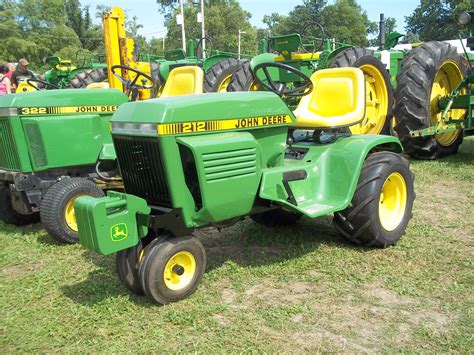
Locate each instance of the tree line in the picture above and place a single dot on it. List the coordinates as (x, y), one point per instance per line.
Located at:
(39, 28)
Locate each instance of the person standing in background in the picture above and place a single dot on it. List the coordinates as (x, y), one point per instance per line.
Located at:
(5, 84)
(11, 69)
(22, 72)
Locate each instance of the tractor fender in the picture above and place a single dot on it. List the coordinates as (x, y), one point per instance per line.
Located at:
(331, 174)
(262, 58)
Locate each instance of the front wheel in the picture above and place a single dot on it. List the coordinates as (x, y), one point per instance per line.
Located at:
(382, 204)
(57, 208)
(172, 269)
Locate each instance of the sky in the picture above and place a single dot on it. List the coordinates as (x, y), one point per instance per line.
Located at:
(148, 15)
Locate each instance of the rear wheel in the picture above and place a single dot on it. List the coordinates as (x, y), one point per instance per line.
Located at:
(172, 269)
(244, 80)
(427, 73)
(276, 218)
(87, 77)
(382, 203)
(9, 215)
(218, 77)
(57, 208)
(379, 93)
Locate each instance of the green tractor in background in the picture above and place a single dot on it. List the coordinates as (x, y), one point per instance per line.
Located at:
(64, 75)
(211, 160)
(434, 97)
(218, 66)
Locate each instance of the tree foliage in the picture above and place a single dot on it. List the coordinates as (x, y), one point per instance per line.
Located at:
(223, 19)
(436, 19)
(344, 20)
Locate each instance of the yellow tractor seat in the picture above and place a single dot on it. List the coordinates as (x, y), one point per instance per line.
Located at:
(186, 80)
(337, 99)
(102, 85)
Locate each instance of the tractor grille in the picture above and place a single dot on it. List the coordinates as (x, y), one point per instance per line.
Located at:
(142, 169)
(8, 153)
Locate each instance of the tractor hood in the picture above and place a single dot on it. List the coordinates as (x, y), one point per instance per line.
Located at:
(62, 98)
(201, 113)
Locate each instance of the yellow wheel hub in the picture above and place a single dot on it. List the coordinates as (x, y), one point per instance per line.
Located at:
(393, 201)
(179, 271)
(376, 100)
(224, 84)
(70, 215)
(447, 78)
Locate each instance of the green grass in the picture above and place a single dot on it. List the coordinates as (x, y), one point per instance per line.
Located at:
(290, 289)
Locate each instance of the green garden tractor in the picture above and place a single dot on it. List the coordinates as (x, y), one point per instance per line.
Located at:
(211, 160)
(435, 97)
(55, 146)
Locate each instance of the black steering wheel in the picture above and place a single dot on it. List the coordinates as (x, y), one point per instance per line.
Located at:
(30, 82)
(279, 88)
(131, 86)
(316, 34)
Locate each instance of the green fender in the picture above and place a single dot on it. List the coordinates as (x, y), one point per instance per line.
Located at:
(333, 172)
(262, 58)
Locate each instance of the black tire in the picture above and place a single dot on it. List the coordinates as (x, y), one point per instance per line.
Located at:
(87, 77)
(152, 268)
(55, 202)
(9, 215)
(357, 58)
(243, 79)
(276, 218)
(360, 222)
(126, 266)
(412, 99)
(218, 76)
(157, 80)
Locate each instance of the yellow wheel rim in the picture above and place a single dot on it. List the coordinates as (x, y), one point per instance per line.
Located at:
(376, 100)
(179, 271)
(446, 79)
(225, 83)
(70, 214)
(393, 201)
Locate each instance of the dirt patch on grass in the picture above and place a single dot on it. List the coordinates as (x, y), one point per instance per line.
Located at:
(291, 293)
(15, 271)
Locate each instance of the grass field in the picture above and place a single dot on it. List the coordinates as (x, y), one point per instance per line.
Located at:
(290, 289)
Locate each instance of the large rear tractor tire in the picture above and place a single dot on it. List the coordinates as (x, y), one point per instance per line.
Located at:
(87, 77)
(243, 80)
(9, 215)
(382, 204)
(172, 268)
(57, 208)
(427, 73)
(378, 90)
(219, 76)
(276, 218)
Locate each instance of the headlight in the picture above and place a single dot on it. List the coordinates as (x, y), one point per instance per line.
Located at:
(464, 18)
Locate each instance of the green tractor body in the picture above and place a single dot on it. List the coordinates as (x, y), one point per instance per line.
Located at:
(48, 136)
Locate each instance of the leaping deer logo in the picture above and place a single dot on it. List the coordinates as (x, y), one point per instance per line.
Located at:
(119, 232)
